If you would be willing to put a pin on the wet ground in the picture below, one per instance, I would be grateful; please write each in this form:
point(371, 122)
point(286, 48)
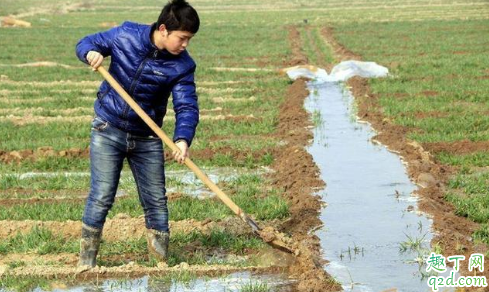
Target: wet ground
point(373, 235)
point(231, 283)
point(180, 181)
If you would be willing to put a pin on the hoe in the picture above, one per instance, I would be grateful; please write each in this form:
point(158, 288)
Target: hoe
point(268, 234)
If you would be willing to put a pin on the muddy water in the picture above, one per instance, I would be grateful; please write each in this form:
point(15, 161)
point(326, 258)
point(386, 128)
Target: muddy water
point(181, 181)
point(373, 235)
point(232, 283)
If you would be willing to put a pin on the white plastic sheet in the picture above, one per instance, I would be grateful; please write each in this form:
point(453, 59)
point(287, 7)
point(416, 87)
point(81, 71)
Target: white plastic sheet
point(341, 72)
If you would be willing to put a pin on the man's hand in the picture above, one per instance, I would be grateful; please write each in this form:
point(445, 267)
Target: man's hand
point(95, 59)
point(180, 156)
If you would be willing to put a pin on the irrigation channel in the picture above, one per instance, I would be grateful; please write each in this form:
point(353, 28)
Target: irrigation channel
point(373, 236)
point(231, 283)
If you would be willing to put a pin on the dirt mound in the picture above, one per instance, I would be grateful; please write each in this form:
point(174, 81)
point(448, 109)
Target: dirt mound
point(130, 270)
point(9, 21)
point(41, 152)
point(122, 226)
point(298, 56)
point(297, 174)
point(457, 147)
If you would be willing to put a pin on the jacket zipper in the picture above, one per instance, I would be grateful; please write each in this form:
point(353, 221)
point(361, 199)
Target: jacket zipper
point(133, 84)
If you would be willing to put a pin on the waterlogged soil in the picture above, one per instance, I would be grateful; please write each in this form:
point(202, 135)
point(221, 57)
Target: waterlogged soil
point(123, 227)
point(451, 232)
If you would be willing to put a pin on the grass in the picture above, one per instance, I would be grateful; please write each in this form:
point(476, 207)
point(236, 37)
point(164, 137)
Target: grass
point(246, 192)
point(42, 241)
point(182, 277)
point(267, 208)
point(24, 284)
point(435, 53)
point(255, 287)
point(412, 244)
point(469, 195)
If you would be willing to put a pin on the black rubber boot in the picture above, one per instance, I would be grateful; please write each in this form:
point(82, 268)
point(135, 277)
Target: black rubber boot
point(158, 243)
point(89, 245)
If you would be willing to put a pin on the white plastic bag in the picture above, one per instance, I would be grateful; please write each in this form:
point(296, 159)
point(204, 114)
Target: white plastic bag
point(341, 72)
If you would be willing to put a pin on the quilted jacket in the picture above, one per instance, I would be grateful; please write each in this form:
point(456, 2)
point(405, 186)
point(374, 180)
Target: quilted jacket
point(149, 76)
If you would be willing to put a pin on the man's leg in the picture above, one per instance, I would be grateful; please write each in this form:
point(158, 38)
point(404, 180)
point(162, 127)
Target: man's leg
point(107, 152)
point(147, 164)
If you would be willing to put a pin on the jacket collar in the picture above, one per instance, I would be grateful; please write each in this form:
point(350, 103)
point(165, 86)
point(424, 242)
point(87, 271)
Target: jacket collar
point(150, 46)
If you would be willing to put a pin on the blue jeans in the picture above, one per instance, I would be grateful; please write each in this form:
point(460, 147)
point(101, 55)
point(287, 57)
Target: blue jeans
point(109, 147)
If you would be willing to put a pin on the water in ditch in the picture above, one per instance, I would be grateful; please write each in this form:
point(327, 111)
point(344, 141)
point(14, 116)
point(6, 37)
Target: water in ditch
point(235, 282)
point(373, 236)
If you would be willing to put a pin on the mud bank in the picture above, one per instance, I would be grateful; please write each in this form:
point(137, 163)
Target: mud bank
point(453, 233)
point(297, 175)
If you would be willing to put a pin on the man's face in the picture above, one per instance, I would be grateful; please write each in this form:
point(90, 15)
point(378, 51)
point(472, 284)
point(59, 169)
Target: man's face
point(176, 41)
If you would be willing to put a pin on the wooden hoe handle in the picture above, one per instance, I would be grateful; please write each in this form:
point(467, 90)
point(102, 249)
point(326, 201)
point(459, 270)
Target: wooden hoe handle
point(224, 198)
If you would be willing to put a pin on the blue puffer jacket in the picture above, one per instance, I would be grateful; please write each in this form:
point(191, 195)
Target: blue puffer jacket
point(148, 75)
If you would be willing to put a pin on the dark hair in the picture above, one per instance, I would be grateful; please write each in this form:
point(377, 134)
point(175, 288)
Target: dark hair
point(179, 15)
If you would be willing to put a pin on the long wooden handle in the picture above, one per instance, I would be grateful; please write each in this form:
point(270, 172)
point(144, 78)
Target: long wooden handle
point(224, 198)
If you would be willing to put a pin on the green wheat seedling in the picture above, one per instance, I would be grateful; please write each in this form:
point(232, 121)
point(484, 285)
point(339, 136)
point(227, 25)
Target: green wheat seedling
point(255, 287)
point(412, 243)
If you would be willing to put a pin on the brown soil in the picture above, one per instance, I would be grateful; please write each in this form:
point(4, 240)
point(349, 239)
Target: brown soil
point(47, 151)
point(39, 153)
point(451, 232)
point(9, 21)
point(429, 93)
point(297, 175)
point(458, 147)
point(130, 270)
point(298, 56)
point(62, 258)
point(54, 9)
point(122, 227)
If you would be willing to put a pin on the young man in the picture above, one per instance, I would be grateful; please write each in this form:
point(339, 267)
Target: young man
point(150, 62)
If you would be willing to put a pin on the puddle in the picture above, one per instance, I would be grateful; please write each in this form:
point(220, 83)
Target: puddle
point(373, 235)
point(178, 181)
point(190, 185)
point(232, 283)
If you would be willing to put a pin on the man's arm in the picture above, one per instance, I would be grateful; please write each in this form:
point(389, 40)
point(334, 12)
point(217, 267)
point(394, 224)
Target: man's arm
point(100, 42)
point(186, 110)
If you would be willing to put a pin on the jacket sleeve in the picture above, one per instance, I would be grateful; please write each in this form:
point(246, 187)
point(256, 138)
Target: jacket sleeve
point(100, 42)
point(186, 108)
